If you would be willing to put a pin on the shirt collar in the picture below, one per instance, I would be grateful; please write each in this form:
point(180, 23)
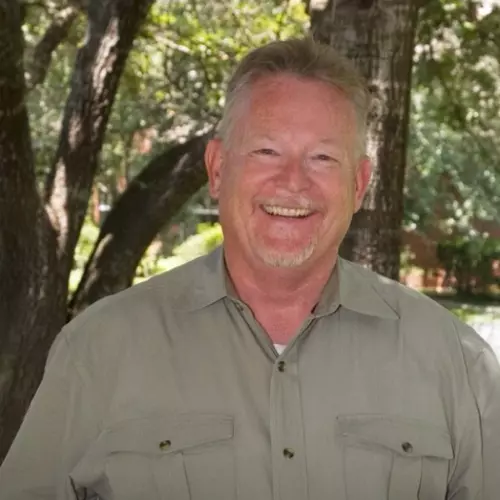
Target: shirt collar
point(355, 289)
point(349, 286)
point(209, 282)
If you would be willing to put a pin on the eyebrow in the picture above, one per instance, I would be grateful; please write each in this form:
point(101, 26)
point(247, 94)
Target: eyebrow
point(326, 142)
point(329, 142)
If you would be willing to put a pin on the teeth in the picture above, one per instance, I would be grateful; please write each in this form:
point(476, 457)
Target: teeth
point(286, 212)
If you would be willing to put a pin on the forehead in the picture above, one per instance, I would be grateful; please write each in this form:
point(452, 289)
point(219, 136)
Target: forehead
point(288, 103)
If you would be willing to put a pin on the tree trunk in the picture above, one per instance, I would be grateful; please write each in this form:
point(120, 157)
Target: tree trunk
point(378, 36)
point(38, 238)
point(149, 202)
point(27, 244)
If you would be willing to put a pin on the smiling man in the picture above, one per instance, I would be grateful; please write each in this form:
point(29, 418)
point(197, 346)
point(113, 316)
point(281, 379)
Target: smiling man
point(271, 369)
point(288, 178)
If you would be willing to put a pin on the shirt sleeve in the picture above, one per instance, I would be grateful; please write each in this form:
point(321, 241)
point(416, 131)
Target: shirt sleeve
point(477, 473)
point(55, 429)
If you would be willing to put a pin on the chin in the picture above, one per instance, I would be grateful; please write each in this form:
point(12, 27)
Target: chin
point(286, 259)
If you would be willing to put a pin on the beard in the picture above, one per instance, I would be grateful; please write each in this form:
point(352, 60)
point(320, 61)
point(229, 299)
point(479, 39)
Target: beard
point(284, 259)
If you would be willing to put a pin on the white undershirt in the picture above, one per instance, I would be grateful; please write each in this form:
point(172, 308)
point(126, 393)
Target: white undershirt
point(279, 348)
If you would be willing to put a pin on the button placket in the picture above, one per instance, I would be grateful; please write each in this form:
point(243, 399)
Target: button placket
point(289, 467)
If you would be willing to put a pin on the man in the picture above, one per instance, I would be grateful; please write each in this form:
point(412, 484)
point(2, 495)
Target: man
point(271, 369)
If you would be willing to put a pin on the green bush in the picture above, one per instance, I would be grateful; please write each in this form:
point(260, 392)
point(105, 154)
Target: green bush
point(468, 262)
point(206, 239)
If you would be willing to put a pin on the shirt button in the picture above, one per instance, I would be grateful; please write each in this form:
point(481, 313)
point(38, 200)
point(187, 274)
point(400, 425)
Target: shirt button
point(165, 445)
point(407, 447)
point(288, 453)
point(281, 366)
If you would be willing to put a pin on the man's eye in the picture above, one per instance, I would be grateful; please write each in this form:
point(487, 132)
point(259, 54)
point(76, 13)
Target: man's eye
point(323, 157)
point(266, 152)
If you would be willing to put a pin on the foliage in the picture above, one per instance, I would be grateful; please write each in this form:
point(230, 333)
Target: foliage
point(469, 263)
point(465, 314)
point(197, 44)
point(455, 132)
point(88, 237)
point(206, 239)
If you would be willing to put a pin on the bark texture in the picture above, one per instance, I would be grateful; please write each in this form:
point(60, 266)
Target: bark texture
point(378, 36)
point(27, 244)
point(38, 233)
point(160, 190)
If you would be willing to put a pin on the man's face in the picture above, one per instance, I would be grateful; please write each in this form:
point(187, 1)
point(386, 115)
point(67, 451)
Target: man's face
point(288, 179)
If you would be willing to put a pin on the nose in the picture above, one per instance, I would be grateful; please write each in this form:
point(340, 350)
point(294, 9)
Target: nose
point(294, 176)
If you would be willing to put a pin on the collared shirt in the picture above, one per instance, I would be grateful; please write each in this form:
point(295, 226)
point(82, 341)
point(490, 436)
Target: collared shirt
point(171, 390)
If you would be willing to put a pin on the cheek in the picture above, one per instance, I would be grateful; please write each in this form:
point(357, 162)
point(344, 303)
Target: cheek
point(339, 195)
point(235, 196)
point(253, 183)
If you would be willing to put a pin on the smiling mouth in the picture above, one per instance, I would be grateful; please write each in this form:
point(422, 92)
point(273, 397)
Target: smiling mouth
point(296, 213)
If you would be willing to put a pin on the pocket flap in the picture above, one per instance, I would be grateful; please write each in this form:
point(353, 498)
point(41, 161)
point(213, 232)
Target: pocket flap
point(167, 434)
point(407, 437)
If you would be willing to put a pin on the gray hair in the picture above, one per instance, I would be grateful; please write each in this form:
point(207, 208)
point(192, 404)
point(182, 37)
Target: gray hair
point(302, 57)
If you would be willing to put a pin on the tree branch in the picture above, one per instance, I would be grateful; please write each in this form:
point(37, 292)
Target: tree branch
point(42, 55)
point(113, 25)
point(150, 201)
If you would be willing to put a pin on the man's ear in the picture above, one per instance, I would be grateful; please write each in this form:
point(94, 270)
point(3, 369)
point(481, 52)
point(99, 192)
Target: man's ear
point(213, 164)
point(363, 176)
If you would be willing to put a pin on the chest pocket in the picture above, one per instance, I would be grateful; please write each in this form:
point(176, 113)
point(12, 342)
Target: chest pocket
point(181, 457)
point(392, 458)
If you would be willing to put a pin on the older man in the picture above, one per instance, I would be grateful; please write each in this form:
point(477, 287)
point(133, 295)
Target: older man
point(270, 369)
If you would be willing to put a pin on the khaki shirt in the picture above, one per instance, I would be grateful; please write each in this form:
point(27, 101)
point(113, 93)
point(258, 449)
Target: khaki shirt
point(172, 391)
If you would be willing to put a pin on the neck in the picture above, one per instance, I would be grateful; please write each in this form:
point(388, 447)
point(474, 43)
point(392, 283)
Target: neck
point(280, 298)
point(278, 285)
